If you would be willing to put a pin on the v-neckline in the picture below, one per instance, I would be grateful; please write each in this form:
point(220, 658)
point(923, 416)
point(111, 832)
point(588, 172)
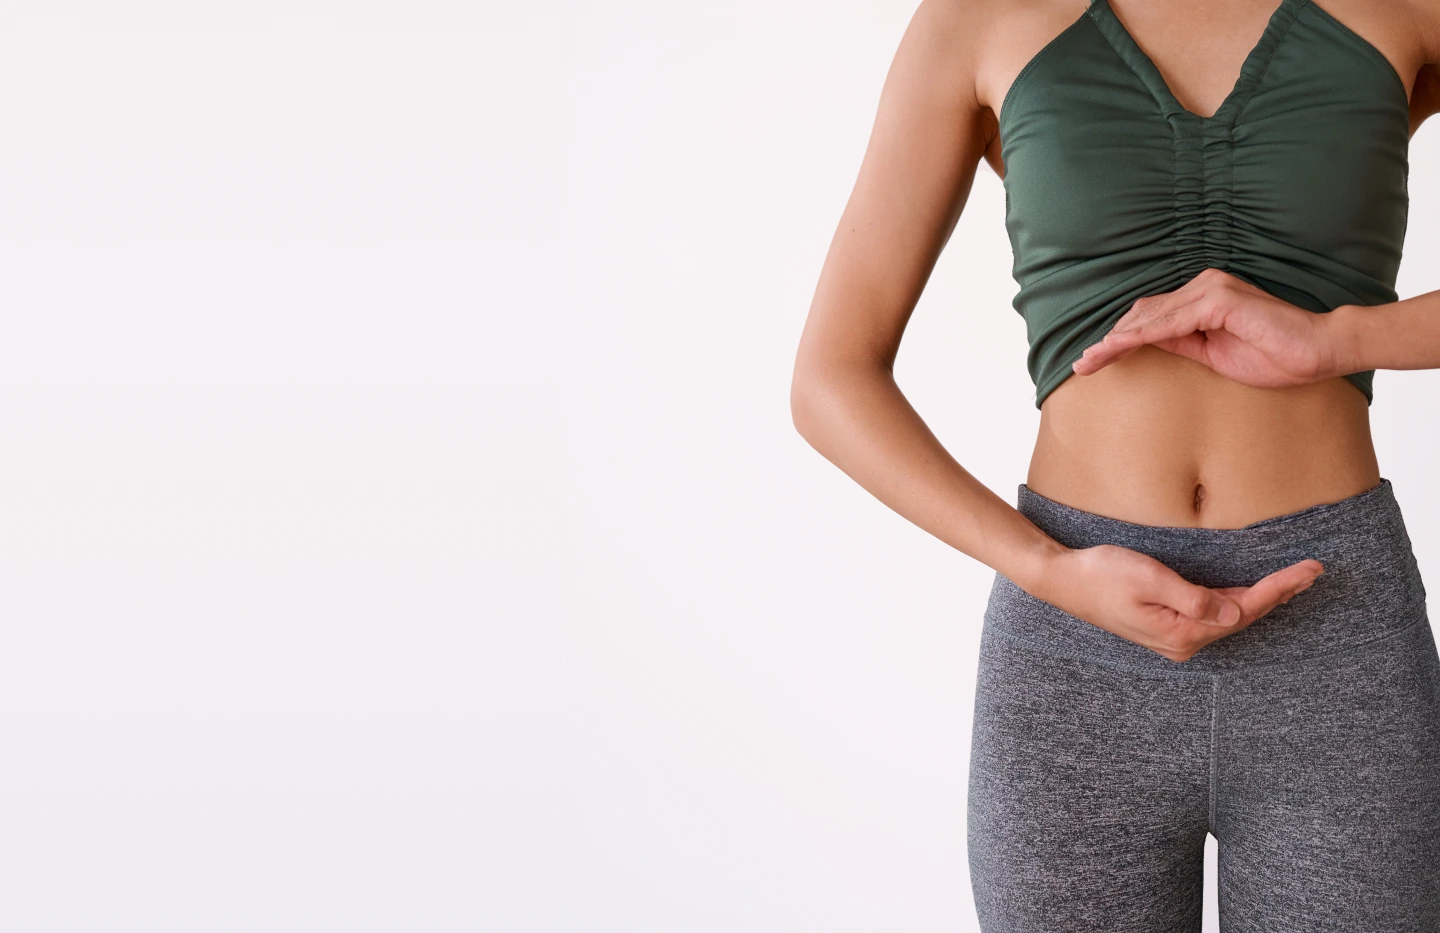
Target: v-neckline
point(1251, 68)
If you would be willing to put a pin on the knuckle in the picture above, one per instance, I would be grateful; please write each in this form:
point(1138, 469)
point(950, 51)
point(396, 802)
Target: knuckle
point(1181, 643)
point(1185, 650)
point(1153, 573)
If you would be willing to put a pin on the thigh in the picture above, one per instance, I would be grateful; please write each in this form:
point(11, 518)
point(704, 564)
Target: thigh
point(1328, 813)
point(1088, 797)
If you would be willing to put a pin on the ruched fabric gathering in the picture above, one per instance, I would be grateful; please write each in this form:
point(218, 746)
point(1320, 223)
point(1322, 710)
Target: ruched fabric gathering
point(1297, 184)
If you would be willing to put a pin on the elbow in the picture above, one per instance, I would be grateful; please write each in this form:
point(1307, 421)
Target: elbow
point(802, 401)
point(815, 390)
point(825, 387)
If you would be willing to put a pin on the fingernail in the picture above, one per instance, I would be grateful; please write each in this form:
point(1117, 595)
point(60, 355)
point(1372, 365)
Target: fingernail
point(1229, 614)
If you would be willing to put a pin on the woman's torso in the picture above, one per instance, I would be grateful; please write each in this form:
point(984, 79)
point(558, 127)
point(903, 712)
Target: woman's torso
point(1155, 438)
point(1159, 439)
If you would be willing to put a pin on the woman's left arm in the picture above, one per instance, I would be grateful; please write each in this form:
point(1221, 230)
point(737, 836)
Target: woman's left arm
point(1403, 334)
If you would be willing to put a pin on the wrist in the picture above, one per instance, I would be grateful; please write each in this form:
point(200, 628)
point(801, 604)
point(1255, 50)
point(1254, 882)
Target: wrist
point(1346, 339)
point(1037, 569)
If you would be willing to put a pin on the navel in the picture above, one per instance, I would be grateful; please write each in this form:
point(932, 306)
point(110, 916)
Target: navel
point(1199, 498)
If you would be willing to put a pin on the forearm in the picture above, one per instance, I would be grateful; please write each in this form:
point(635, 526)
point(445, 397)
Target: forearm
point(855, 415)
point(1398, 335)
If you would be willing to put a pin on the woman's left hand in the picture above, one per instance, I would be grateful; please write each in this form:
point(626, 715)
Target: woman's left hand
point(1226, 323)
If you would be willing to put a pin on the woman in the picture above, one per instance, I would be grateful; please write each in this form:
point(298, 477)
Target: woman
point(1206, 617)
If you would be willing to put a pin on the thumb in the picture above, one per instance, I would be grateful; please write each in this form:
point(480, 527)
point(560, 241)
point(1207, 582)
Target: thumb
point(1200, 603)
point(1227, 614)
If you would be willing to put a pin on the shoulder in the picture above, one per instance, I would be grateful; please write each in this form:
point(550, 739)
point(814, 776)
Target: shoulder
point(1424, 17)
point(943, 56)
point(981, 46)
point(950, 35)
point(986, 42)
point(1421, 19)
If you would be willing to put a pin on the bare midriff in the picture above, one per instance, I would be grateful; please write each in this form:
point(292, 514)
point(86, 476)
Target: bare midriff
point(1159, 439)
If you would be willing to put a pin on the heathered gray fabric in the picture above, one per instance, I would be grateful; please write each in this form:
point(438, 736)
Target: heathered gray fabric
point(1307, 743)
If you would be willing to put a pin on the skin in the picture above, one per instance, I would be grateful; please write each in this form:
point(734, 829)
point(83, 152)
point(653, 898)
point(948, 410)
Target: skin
point(1213, 406)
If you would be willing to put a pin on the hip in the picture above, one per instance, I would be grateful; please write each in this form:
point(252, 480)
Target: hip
point(1371, 590)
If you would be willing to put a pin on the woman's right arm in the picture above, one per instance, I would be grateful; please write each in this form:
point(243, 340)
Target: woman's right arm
point(929, 135)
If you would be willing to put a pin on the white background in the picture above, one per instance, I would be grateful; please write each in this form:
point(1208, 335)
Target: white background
point(401, 522)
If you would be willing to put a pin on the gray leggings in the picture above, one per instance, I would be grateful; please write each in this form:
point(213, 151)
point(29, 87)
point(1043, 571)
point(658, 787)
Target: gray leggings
point(1307, 744)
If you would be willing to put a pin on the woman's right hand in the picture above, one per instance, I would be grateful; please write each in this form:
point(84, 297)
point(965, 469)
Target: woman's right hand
point(1140, 599)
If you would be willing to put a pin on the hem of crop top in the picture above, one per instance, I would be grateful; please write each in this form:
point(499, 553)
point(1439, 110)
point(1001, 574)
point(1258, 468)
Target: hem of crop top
point(1064, 372)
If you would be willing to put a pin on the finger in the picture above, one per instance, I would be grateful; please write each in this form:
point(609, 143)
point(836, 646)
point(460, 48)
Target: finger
point(1272, 590)
point(1194, 346)
point(1106, 350)
point(1179, 318)
point(1085, 367)
point(1179, 321)
point(1261, 597)
point(1199, 603)
point(1140, 309)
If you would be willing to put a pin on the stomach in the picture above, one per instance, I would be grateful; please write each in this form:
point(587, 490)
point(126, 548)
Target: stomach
point(1159, 439)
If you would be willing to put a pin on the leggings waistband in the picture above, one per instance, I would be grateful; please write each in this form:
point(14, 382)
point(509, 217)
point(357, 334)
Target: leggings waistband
point(1371, 587)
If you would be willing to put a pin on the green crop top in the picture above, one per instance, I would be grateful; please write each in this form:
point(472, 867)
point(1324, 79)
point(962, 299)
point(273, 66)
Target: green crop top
point(1113, 191)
